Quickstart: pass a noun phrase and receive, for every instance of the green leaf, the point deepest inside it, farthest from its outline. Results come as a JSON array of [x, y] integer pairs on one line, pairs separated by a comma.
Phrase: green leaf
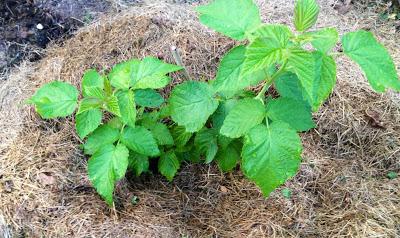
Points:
[[323, 40], [206, 143], [55, 99], [107, 166], [222, 111], [138, 163], [224, 142], [161, 134], [246, 114], [168, 165], [362, 47], [325, 79], [181, 136], [152, 74], [122, 74], [87, 104], [191, 104], [295, 113], [87, 122], [305, 14], [126, 104], [140, 140], [286, 193], [228, 80], [148, 98], [149, 119], [392, 175], [271, 155], [92, 84], [112, 105], [268, 49], [165, 111], [302, 63], [234, 18], [100, 137], [115, 123], [288, 85], [316, 72], [188, 153], [228, 158]]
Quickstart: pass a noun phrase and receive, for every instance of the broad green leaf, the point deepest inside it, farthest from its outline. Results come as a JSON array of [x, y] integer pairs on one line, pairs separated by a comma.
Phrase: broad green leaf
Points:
[[206, 143], [100, 137], [325, 79], [316, 72], [107, 166], [362, 47], [303, 64], [228, 158], [271, 155], [233, 18], [138, 163], [152, 74], [112, 105], [181, 136], [87, 122], [228, 80], [288, 85], [92, 84], [222, 111], [148, 98], [297, 114], [267, 49], [323, 40], [140, 140], [149, 119], [191, 104], [87, 104], [168, 165], [55, 99], [305, 14], [224, 142], [165, 111], [161, 134], [192, 155], [127, 107], [115, 122], [246, 114], [122, 74]]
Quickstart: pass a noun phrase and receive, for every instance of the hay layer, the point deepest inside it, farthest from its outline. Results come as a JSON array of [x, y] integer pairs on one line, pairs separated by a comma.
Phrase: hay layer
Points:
[[340, 191]]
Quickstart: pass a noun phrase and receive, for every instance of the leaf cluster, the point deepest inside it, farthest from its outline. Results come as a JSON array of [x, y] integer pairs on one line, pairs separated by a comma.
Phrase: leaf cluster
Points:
[[219, 120]]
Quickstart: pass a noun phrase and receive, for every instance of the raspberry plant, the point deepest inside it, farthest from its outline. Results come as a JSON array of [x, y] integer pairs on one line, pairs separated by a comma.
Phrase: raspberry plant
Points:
[[218, 120]]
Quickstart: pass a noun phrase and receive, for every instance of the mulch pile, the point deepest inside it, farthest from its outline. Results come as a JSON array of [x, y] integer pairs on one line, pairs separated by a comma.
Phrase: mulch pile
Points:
[[341, 189]]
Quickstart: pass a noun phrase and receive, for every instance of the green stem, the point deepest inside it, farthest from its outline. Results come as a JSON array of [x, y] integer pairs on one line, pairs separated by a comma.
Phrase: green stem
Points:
[[120, 132], [269, 81]]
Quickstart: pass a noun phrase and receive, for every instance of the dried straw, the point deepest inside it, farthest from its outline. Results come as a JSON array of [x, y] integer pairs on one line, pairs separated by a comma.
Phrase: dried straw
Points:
[[340, 191]]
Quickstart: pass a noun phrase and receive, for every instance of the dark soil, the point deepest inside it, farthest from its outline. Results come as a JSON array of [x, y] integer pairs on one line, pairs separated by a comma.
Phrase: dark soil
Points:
[[26, 26]]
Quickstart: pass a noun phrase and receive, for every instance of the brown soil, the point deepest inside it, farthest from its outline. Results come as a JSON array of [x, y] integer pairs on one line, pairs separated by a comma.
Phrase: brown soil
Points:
[[340, 191]]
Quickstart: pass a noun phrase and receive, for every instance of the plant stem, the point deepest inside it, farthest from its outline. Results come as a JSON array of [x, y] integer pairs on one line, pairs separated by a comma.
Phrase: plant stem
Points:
[[178, 61], [120, 132], [269, 81]]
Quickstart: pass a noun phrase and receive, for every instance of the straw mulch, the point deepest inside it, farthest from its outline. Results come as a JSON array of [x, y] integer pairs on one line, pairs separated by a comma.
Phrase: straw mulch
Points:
[[340, 191]]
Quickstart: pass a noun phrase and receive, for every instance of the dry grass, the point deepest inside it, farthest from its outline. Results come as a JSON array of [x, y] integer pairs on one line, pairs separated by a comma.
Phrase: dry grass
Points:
[[340, 191]]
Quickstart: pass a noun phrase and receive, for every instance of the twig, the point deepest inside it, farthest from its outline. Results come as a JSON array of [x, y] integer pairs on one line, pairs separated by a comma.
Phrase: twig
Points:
[[178, 61]]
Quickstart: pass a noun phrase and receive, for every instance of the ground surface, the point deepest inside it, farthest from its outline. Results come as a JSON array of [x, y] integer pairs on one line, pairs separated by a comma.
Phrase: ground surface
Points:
[[342, 189]]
